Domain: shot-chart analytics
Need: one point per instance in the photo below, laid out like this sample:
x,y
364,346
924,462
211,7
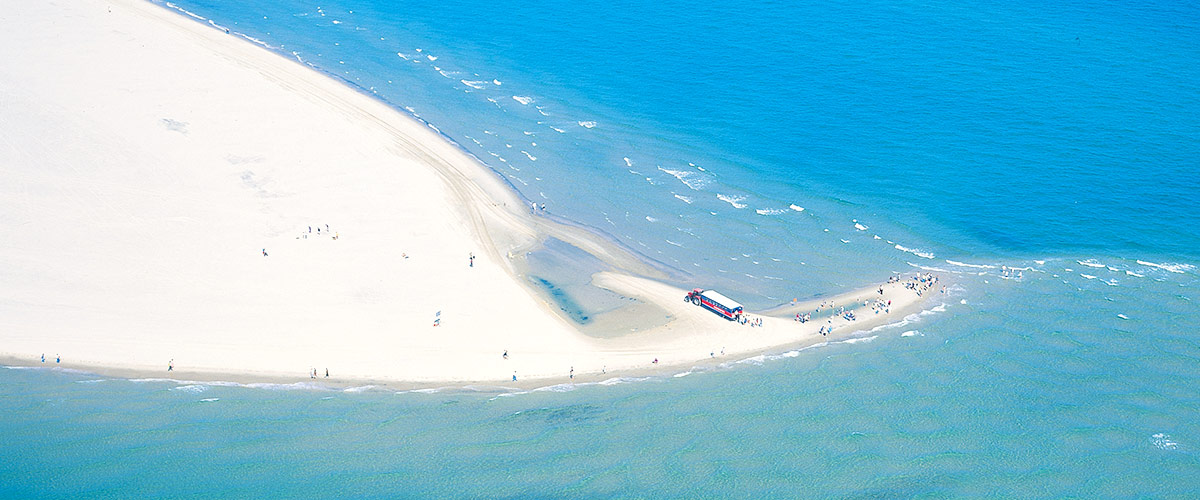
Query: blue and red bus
x,y
715,302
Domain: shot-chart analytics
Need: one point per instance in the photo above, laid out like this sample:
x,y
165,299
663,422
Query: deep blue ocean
x,y
773,150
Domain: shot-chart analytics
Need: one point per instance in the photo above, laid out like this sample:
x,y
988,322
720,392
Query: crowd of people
x,y
921,283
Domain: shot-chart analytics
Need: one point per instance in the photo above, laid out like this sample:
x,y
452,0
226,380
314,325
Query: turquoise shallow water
x,y
1058,139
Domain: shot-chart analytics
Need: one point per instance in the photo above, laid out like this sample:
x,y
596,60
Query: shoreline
x,y
339,384
92,287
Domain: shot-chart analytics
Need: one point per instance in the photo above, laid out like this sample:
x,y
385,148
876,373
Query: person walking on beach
x,y
514,376
505,355
572,373
171,365
57,358
327,373
472,260
265,253
43,357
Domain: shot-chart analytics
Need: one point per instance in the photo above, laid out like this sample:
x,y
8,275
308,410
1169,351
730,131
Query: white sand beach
x,y
159,180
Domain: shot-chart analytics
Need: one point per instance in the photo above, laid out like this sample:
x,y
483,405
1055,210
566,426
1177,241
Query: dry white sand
x,y
147,160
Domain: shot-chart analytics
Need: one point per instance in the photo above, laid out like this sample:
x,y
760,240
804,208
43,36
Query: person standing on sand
x,y
43,357
265,252
57,358
514,376
171,365
327,373
505,355
572,373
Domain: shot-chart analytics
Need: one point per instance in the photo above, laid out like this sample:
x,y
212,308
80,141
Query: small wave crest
x,y
1172,267
1163,442
796,207
964,264
693,180
771,211
523,99
587,124
736,201
915,251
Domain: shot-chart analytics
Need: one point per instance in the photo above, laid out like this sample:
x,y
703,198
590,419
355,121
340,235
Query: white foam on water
x,y
681,374
587,124
556,388
683,198
912,333
1090,263
795,207
693,180
1122,316
1164,442
915,251
542,111
1088,276
497,82
255,40
964,264
673,243
859,226
473,84
193,388
628,162
736,201
844,240
651,219
209,400
622,380
360,388
295,386
770,211
857,340
1175,268
523,99
935,269
431,58
755,360
527,155
559,130
185,11
1131,273
335,21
